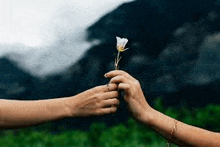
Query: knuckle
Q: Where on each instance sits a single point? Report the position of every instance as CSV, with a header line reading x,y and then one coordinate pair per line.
x,y
98,104
122,72
119,71
127,74
112,80
123,77
96,97
136,82
113,86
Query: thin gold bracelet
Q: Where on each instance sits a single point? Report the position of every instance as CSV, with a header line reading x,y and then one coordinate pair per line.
x,y
172,133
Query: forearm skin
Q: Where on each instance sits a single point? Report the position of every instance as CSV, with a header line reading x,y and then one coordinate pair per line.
x,y
18,113
185,135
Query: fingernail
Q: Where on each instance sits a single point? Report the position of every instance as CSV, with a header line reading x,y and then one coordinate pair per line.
x,y
106,75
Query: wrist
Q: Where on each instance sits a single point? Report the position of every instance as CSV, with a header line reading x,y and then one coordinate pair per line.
x,y
68,107
148,116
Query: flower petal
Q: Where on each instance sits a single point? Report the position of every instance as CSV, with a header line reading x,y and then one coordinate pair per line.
x,y
118,39
121,43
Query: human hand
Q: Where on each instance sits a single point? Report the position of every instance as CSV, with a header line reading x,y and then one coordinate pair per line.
x,y
100,100
133,94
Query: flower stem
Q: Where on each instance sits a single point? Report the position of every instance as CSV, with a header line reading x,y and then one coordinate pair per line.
x,y
117,61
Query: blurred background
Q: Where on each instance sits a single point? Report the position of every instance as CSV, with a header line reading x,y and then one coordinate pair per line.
x,y
59,48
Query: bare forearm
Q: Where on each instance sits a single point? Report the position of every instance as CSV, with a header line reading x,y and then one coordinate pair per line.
x,y
185,135
16,113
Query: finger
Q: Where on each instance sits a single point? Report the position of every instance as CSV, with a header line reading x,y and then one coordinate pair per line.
x,y
114,73
108,110
118,79
124,86
109,95
110,87
117,73
110,102
105,88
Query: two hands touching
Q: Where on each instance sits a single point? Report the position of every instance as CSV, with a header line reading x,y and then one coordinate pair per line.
x,y
133,94
99,100
104,99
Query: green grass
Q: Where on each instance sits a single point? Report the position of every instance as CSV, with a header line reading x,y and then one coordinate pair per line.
x,y
128,134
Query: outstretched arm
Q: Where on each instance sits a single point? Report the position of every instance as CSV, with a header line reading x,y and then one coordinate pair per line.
x,y
19,113
95,101
185,135
173,130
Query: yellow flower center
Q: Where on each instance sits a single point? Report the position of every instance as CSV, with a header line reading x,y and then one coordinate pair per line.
x,y
120,48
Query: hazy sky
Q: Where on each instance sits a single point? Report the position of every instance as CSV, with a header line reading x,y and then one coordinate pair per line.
x,y
35,28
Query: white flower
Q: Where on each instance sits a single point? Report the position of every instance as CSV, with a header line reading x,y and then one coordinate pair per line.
x,y
121,43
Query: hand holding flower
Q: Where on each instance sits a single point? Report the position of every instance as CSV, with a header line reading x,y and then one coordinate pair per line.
x,y
133,94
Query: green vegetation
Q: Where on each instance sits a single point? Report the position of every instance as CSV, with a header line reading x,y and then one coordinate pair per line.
x,y
128,134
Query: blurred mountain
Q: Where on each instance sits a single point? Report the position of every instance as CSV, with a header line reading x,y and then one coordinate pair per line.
x,y
174,51
14,82
173,45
